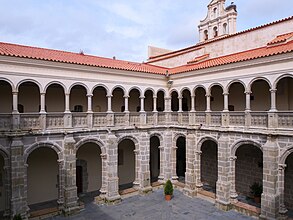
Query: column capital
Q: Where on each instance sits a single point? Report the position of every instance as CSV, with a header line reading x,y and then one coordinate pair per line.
x,y
282,167
136,152
208,95
42,93
142,97
15,93
273,90
198,152
89,95
104,156
225,93
247,92
126,96
67,94
109,96
180,97
154,97
192,96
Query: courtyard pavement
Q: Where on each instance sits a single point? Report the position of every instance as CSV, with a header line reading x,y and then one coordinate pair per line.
x,y
154,207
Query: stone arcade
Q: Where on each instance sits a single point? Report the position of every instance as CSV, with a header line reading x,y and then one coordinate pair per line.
x,y
217,115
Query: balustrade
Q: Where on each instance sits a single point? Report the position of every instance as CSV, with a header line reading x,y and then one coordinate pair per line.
x,y
35,121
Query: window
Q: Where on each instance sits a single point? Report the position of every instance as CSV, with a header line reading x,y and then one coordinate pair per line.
x,y
215,12
206,35
215,31
225,28
78,108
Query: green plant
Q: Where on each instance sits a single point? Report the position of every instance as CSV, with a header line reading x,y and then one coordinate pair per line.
x,y
256,189
168,189
17,217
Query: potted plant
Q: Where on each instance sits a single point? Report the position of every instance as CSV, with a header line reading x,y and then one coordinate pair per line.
x,y
256,191
168,190
17,217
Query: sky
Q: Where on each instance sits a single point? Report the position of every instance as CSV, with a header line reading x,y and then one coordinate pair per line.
x,y
124,28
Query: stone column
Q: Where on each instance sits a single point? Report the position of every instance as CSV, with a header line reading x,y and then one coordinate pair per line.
x,y
103,189
15,113
161,152
142,104
247,109
226,101
112,181
168,110
70,190
283,210
208,109
223,183
42,117
273,100
270,198
272,114
67,113
197,169
233,193
190,180
144,163
136,183
61,182
155,104
18,200
167,155
174,161
126,104
192,103
89,111
180,103
7,188
109,110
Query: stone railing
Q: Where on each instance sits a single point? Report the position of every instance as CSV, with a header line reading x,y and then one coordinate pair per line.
x,y
88,120
285,120
237,119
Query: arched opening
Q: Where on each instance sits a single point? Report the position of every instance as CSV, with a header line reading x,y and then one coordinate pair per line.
x,y
42,173
248,171
186,100
160,101
236,97
200,99
154,158
126,164
206,35
5,97
215,29
88,170
215,11
174,101
217,98
209,165
225,28
134,102
2,185
118,103
260,96
100,100
78,99
148,101
181,158
28,98
288,191
55,98
285,94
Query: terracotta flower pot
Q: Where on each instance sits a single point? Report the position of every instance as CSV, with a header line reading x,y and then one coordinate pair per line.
x,y
168,197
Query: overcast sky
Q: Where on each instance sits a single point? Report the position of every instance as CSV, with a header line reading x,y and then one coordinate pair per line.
x,y
121,28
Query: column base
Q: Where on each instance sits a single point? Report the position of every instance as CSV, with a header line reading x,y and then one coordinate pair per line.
x,y
225,206
112,200
67,211
145,190
189,192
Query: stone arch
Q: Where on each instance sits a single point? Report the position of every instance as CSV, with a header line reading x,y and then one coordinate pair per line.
x,y
158,136
101,85
178,135
255,79
185,88
280,78
215,84
29,80
199,86
137,88
203,139
135,141
55,82
95,140
237,144
119,87
284,155
79,84
235,81
151,89
161,90
173,90
37,145
4,153
9,82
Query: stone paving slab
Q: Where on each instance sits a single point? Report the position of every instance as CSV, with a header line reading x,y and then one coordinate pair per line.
x,y
154,207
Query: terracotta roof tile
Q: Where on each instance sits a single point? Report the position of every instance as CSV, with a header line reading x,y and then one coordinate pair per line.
x,y
281,38
237,57
199,58
7,49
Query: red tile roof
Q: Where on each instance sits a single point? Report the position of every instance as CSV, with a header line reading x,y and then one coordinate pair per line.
x,y
281,38
194,47
237,57
7,49
198,59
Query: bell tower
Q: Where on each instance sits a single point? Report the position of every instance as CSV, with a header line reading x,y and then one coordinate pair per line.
x,y
220,20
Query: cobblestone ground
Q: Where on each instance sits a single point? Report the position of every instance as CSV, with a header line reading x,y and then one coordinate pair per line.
x,y
154,207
